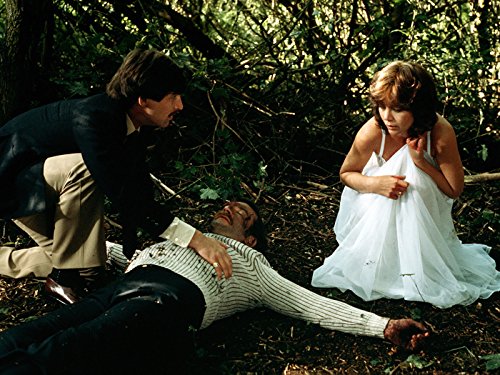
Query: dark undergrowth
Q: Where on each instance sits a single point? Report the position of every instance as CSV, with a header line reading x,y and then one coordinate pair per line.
x,y
300,219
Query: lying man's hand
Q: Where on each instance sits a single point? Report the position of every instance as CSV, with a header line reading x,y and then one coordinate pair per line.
x,y
214,252
406,333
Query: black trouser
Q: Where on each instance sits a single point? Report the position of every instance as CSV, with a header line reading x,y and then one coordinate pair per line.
x,y
137,325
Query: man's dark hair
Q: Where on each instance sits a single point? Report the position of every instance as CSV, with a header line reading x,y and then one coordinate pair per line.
x,y
405,86
148,74
258,229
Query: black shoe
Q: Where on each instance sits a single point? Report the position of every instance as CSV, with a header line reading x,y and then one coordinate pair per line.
x,y
64,285
60,293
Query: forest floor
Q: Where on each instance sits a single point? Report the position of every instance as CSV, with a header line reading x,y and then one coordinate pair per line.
x,y
300,222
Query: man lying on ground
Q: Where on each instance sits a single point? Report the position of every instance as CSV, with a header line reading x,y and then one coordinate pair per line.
x,y
141,323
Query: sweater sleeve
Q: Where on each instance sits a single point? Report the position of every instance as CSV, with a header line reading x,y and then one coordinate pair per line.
x,y
288,298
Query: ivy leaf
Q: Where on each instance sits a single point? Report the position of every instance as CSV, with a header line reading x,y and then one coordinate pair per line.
x,y
207,193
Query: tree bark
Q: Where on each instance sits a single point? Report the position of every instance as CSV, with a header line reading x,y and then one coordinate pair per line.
x,y
24,53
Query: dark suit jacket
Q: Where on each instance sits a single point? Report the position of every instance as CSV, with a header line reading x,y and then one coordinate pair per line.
x,y
96,127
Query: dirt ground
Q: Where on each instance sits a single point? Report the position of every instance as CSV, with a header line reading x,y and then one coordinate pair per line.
x,y
300,221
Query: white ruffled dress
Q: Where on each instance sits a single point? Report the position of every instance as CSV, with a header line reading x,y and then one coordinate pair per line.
x,y
405,248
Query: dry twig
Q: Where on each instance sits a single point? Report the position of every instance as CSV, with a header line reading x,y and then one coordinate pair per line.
x,y
481,177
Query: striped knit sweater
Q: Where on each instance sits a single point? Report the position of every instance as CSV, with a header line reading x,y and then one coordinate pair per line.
x,y
253,284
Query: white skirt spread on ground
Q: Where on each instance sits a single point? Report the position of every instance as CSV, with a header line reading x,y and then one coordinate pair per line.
x,y
405,248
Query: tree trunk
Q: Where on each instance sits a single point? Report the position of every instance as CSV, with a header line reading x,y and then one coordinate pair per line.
x,y
25,53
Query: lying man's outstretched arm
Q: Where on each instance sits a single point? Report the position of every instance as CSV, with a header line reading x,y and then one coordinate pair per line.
x,y
288,298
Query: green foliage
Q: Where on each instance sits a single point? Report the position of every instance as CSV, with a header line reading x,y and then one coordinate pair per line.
x,y
96,63
416,314
375,362
290,78
491,217
4,310
260,178
2,22
485,218
492,361
219,176
415,361
483,152
207,193
314,62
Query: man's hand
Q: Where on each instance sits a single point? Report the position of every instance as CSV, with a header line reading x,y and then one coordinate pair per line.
x,y
406,333
214,252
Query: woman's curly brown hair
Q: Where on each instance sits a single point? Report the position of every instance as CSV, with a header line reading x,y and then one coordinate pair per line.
x,y
405,86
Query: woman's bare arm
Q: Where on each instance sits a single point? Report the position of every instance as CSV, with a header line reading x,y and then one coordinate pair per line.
x,y
450,175
366,142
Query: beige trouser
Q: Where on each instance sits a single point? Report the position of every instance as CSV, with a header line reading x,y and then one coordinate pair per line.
x,y
69,235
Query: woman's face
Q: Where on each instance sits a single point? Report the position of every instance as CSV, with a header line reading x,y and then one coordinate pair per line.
x,y
398,122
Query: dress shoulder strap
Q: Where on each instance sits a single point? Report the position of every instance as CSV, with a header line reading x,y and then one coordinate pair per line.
x,y
429,142
382,145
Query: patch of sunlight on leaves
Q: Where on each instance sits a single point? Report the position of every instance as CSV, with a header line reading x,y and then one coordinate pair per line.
x,y
492,361
207,193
